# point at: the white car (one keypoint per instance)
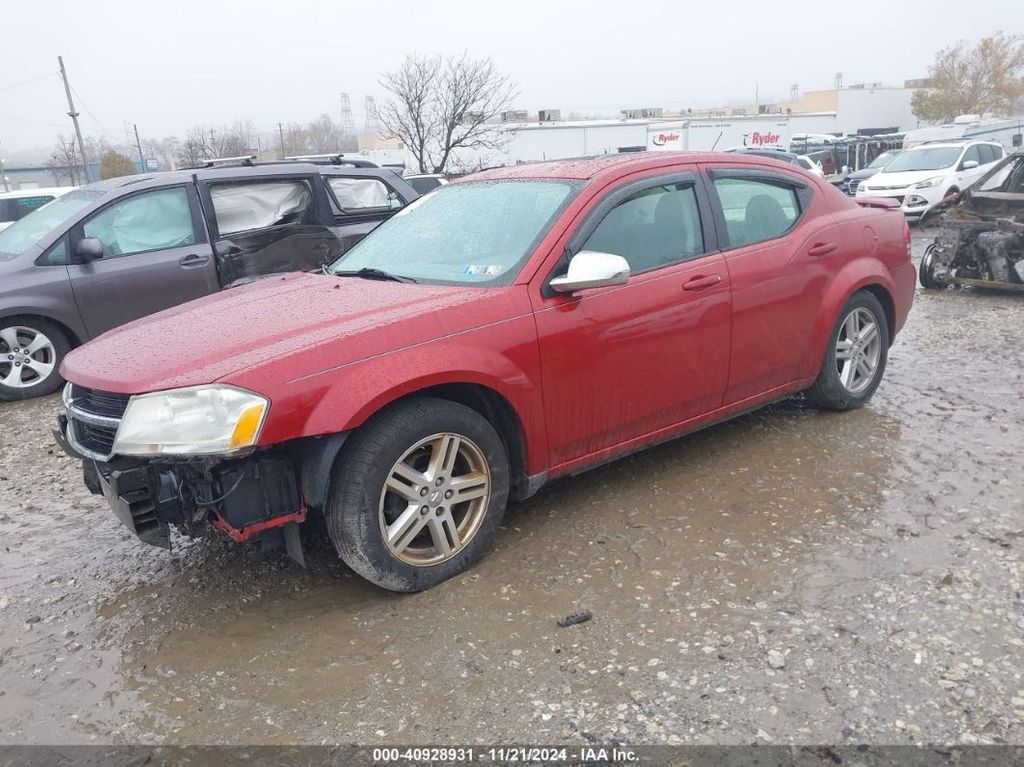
(14, 205)
(926, 174)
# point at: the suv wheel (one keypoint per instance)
(31, 351)
(418, 494)
(856, 355)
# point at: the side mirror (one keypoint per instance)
(590, 269)
(89, 249)
(969, 164)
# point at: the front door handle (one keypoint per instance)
(193, 260)
(701, 283)
(822, 248)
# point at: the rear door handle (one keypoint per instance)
(700, 283)
(822, 248)
(193, 259)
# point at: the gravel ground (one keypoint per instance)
(789, 577)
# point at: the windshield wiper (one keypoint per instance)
(370, 273)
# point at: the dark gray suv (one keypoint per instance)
(114, 251)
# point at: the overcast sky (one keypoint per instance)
(170, 64)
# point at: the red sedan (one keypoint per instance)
(507, 329)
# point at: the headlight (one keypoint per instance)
(200, 420)
(928, 183)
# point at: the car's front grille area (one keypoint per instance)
(99, 402)
(93, 419)
(96, 439)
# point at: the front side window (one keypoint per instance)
(756, 210)
(478, 232)
(24, 233)
(148, 221)
(652, 228)
(972, 153)
(259, 205)
(353, 194)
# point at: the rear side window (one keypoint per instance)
(362, 194)
(259, 205)
(652, 228)
(149, 221)
(756, 210)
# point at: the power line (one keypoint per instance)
(89, 111)
(27, 82)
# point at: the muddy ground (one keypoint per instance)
(791, 576)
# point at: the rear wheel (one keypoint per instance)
(856, 355)
(418, 494)
(31, 351)
(926, 271)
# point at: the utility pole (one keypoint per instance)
(3, 176)
(142, 159)
(73, 114)
(280, 132)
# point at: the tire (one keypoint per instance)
(926, 270)
(839, 387)
(33, 374)
(367, 494)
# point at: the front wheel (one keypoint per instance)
(856, 355)
(418, 494)
(31, 351)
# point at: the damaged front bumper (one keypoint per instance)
(243, 497)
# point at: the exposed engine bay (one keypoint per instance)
(982, 238)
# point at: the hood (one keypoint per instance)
(905, 178)
(863, 173)
(289, 316)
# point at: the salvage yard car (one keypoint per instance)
(924, 175)
(512, 327)
(982, 239)
(120, 249)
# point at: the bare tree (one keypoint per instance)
(165, 150)
(324, 135)
(443, 104)
(986, 78)
(65, 161)
(296, 140)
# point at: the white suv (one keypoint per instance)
(926, 174)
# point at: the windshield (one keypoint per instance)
(26, 232)
(1007, 176)
(478, 232)
(925, 158)
(882, 160)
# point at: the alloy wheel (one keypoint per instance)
(27, 357)
(434, 499)
(858, 350)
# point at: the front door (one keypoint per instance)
(620, 363)
(155, 256)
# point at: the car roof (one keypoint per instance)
(233, 173)
(614, 165)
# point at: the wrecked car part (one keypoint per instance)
(982, 239)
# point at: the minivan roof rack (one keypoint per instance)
(333, 158)
(243, 159)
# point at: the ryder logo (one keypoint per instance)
(665, 138)
(761, 139)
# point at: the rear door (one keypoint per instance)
(155, 255)
(268, 225)
(780, 257)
